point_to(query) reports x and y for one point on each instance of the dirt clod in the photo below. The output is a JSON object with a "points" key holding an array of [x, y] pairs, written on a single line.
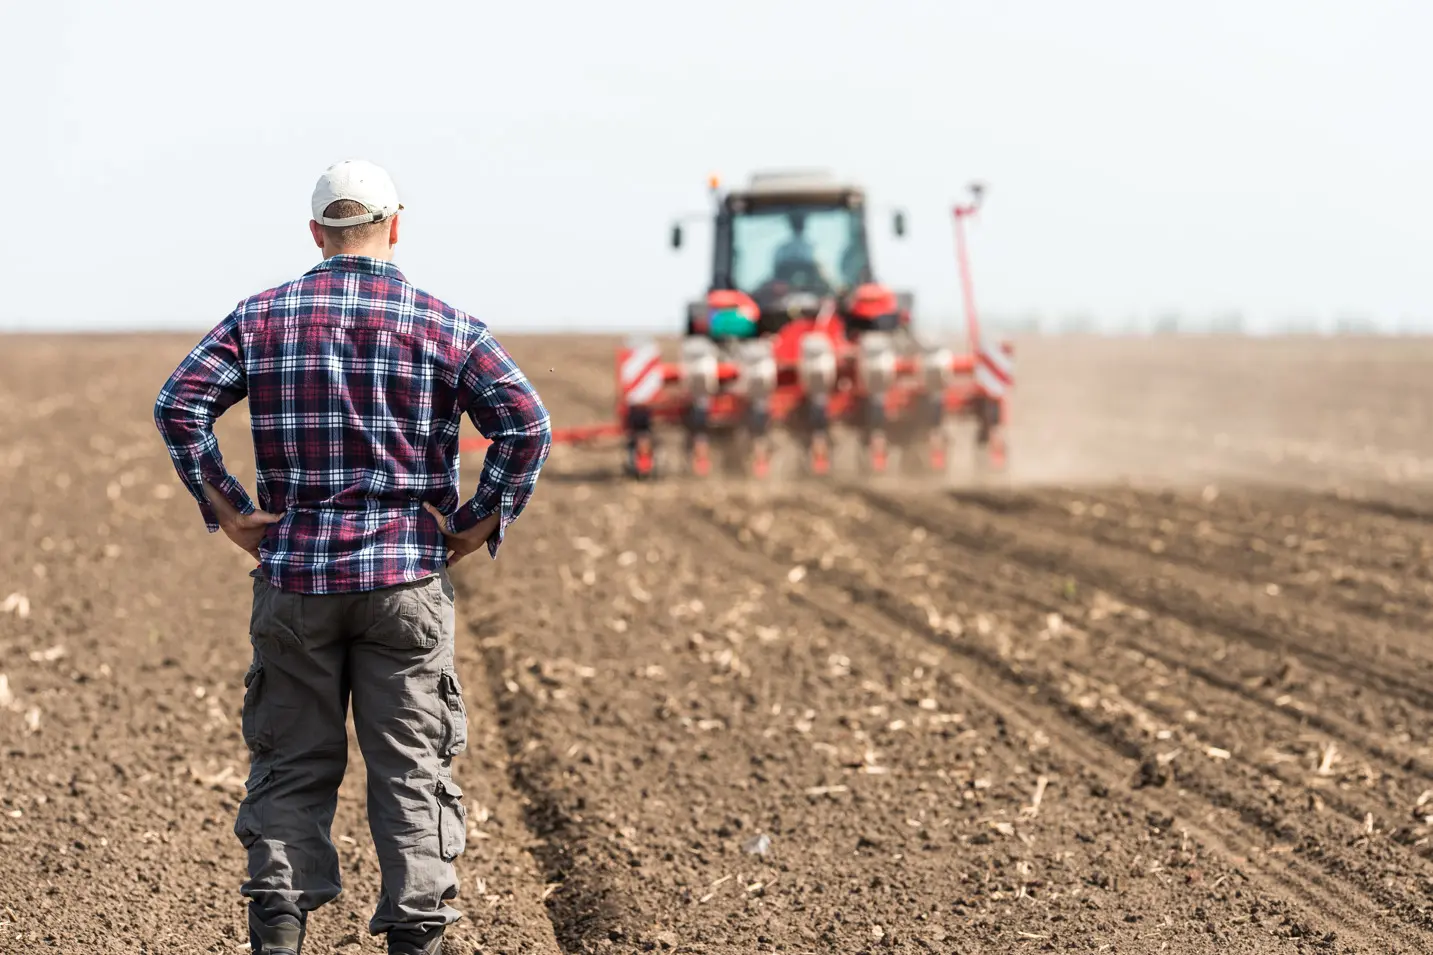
{"points": [[1135, 702]]}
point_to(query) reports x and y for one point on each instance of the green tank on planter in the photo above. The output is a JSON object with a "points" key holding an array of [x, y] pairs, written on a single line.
{"points": [[731, 323]]}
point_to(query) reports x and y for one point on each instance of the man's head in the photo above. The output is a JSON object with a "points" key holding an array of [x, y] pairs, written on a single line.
{"points": [[797, 219], [355, 211]]}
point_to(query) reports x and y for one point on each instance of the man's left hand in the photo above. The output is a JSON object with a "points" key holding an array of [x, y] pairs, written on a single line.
{"points": [[246, 530]]}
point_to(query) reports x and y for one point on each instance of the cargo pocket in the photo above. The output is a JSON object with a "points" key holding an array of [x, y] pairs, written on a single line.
{"points": [[452, 819], [252, 722], [248, 826], [455, 723]]}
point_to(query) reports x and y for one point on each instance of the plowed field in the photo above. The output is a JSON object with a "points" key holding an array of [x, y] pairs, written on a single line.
{"points": [[1168, 689]]}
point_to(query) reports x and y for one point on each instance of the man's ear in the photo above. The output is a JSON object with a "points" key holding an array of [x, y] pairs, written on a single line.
{"points": [[393, 231], [316, 231]]}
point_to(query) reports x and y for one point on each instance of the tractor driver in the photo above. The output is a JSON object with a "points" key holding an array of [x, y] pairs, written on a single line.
{"points": [[796, 248], [795, 259]]}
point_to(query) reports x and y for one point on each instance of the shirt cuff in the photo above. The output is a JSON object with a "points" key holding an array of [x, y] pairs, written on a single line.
{"points": [[468, 516], [211, 520], [232, 491]]}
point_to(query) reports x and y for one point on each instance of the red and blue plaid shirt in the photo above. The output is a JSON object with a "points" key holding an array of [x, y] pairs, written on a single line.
{"points": [[357, 384]]}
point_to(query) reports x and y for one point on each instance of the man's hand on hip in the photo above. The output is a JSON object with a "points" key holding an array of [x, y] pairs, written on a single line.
{"points": [[461, 545], [246, 530]]}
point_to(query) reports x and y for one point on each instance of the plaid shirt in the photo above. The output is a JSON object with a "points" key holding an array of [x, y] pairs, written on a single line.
{"points": [[357, 384]]}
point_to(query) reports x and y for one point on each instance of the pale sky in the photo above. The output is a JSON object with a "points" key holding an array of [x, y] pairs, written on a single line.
{"points": [[1270, 157]]}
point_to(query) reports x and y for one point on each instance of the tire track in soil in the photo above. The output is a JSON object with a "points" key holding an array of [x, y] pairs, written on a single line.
{"points": [[1329, 561], [717, 750], [843, 606], [1255, 682], [1260, 503], [1407, 506], [1282, 643], [960, 529], [1391, 548], [500, 890], [1115, 755], [1178, 646], [589, 906], [1231, 608], [549, 788], [966, 531], [1228, 712], [590, 898], [1400, 794]]}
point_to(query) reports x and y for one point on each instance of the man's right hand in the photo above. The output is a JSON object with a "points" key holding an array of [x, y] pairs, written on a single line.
{"points": [[461, 545]]}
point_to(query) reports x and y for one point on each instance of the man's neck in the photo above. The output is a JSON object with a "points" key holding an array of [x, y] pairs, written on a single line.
{"points": [[382, 253]]}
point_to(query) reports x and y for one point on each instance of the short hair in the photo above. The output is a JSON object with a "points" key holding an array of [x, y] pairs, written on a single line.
{"points": [[350, 236]]}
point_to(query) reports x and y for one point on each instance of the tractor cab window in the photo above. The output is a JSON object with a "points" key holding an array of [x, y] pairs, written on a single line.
{"points": [[819, 249]]}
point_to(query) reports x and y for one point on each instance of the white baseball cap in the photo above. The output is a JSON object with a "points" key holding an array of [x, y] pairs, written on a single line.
{"points": [[360, 181]]}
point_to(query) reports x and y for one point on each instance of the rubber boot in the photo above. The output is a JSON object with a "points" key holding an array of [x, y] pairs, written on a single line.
{"points": [[281, 935], [403, 942]]}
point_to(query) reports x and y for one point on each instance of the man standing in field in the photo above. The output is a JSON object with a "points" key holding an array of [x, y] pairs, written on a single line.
{"points": [[357, 383]]}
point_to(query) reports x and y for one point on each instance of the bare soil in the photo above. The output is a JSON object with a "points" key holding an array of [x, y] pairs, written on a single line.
{"points": [[1166, 688]]}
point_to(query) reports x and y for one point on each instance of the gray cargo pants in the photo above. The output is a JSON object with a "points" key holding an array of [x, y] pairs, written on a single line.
{"points": [[392, 650]]}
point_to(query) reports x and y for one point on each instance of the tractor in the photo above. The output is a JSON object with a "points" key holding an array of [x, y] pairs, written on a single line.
{"points": [[797, 335]]}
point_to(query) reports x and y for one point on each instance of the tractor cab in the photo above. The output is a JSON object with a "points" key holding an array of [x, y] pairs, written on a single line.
{"points": [[789, 246]]}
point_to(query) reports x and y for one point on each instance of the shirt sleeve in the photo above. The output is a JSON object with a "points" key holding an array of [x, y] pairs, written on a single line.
{"points": [[209, 380], [506, 409]]}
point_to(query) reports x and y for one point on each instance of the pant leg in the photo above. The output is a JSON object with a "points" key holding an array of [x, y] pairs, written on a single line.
{"points": [[294, 716], [409, 715]]}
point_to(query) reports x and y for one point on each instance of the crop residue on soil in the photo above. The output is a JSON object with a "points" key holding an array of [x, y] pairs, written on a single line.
{"points": [[1185, 713]]}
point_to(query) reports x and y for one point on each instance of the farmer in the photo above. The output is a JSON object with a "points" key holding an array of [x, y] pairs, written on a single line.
{"points": [[357, 384]]}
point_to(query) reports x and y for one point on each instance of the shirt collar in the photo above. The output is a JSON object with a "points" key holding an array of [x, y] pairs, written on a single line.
{"points": [[358, 263]]}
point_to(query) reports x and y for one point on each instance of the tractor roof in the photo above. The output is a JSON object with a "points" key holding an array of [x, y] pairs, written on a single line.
{"points": [[799, 185]]}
